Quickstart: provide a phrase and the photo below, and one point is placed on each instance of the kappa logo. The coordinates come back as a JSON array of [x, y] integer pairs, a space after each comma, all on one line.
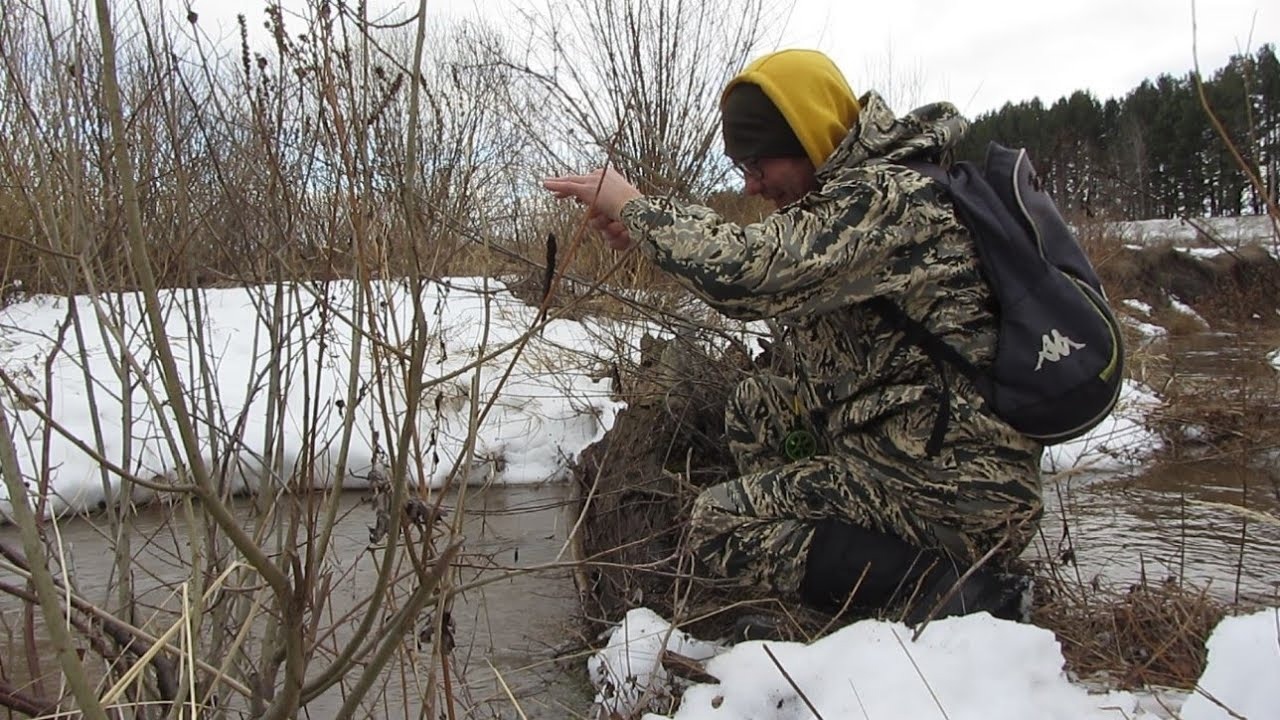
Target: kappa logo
[[1055, 348]]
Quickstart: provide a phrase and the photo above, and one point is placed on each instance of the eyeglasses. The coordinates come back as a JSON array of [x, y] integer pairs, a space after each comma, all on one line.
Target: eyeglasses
[[749, 168]]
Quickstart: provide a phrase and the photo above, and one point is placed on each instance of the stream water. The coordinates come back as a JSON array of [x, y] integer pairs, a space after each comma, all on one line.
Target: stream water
[[1176, 522], [1171, 520], [512, 628], [1181, 518]]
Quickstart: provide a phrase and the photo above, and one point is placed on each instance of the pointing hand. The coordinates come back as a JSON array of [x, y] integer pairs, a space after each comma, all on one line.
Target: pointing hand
[[605, 191]]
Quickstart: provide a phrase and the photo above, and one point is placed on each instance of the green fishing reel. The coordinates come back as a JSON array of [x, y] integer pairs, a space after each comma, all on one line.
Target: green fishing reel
[[800, 445]]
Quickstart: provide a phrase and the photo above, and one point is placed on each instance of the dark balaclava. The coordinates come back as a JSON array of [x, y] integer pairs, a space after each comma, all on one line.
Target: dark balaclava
[[787, 100], [753, 126]]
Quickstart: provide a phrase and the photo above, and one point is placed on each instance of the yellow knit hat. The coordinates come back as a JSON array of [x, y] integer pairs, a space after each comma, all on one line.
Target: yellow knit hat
[[811, 93]]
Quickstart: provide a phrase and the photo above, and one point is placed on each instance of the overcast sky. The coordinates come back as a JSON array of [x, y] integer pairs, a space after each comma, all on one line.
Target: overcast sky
[[980, 53]]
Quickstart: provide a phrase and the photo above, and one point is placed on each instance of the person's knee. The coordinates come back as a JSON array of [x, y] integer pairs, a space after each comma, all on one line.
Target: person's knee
[[729, 538], [713, 512], [716, 516]]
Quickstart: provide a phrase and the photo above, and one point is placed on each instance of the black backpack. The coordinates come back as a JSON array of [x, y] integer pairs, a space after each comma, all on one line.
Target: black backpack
[[1059, 359]]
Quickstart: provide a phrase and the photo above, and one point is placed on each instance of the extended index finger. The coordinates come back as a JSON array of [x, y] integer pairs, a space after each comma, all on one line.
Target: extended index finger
[[578, 186]]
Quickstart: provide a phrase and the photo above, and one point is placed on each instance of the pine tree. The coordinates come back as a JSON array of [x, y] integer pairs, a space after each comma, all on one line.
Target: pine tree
[[1154, 152]]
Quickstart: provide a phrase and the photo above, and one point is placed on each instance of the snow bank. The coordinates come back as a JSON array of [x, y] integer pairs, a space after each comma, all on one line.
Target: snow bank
[[628, 673], [548, 410], [969, 667], [1243, 675]]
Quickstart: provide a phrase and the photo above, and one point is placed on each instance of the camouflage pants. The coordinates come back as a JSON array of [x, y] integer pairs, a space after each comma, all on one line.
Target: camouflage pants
[[757, 529]]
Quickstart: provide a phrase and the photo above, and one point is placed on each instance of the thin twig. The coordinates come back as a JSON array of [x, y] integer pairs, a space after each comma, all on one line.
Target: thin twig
[[920, 673], [955, 587], [515, 703], [792, 682], [46, 588]]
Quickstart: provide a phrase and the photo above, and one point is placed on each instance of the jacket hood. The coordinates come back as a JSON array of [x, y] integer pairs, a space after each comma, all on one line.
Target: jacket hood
[[927, 133], [810, 92]]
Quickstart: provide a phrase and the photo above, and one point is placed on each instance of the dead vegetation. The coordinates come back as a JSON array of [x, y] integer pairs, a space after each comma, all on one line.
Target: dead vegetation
[[638, 484], [1150, 634]]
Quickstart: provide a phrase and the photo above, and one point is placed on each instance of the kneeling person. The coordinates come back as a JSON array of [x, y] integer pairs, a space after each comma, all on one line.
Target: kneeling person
[[851, 493]]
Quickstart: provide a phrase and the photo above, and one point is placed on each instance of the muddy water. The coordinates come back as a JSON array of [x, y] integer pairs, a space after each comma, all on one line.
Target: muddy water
[[1179, 518], [513, 626], [1175, 521]]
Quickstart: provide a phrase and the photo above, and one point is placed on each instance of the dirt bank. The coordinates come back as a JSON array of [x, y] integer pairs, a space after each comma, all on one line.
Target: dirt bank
[[1240, 287]]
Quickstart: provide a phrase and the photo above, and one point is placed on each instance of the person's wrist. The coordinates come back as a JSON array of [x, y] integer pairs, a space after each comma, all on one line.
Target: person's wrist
[[625, 202]]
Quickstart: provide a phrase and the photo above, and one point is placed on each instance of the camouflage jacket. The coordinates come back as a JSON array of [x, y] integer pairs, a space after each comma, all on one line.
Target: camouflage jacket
[[872, 229]]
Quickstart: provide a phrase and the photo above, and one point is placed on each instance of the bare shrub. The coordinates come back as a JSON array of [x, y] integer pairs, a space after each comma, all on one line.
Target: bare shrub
[[638, 84], [139, 157]]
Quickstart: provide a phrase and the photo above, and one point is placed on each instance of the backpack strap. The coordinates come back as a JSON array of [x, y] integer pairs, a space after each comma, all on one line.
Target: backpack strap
[[917, 334], [938, 350]]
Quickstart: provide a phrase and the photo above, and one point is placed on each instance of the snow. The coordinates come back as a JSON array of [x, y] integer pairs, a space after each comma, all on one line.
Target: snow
[[628, 673], [1148, 331], [1231, 231], [1182, 308], [966, 667], [1120, 440], [1139, 314], [1244, 666], [547, 412], [1138, 306]]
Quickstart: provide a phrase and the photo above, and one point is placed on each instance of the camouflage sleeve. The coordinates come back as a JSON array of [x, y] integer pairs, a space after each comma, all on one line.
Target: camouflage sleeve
[[827, 251]]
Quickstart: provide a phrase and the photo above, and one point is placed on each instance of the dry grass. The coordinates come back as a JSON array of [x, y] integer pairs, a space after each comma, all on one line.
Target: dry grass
[[1149, 635]]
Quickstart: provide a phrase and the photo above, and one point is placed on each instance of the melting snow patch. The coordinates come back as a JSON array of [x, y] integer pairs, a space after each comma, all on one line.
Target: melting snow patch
[[1138, 306], [1117, 443], [1187, 310], [969, 667], [628, 674], [1242, 673]]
